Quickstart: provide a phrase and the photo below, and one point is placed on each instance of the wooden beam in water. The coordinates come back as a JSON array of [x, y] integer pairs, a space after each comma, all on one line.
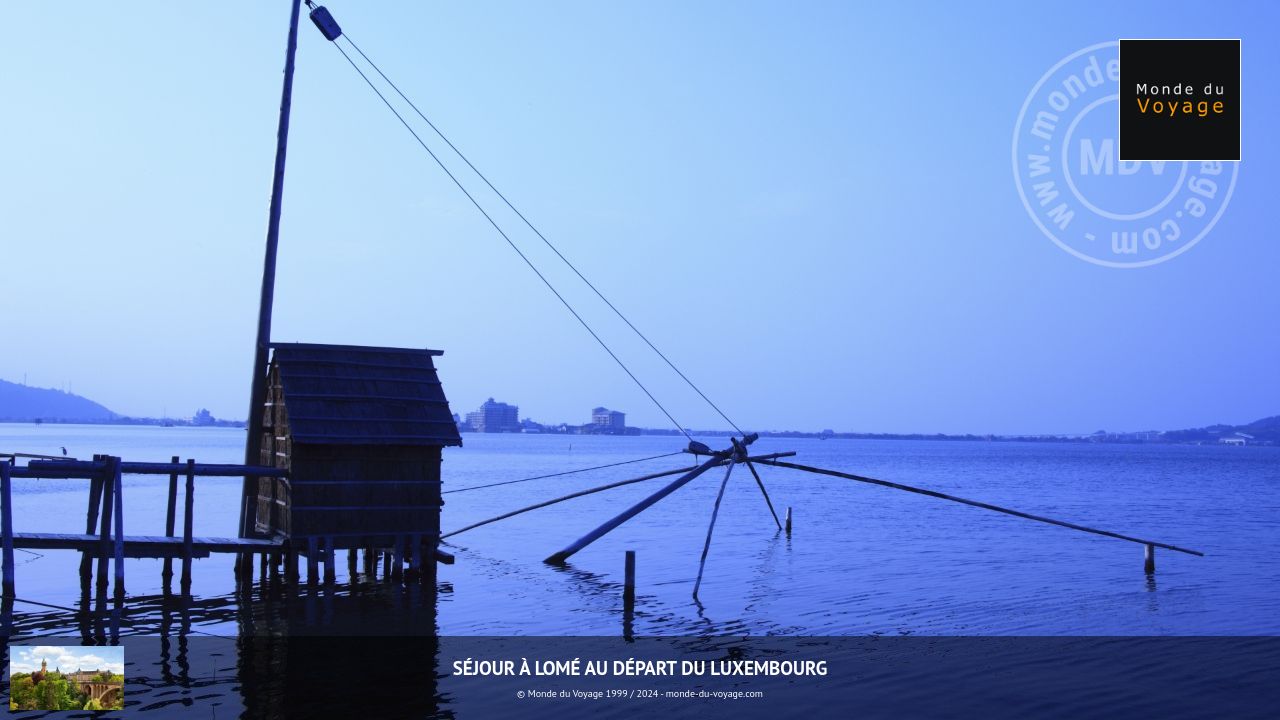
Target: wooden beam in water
[[715, 511], [188, 525], [585, 540], [6, 529], [104, 538], [170, 519], [116, 480], [91, 519], [975, 503], [760, 484]]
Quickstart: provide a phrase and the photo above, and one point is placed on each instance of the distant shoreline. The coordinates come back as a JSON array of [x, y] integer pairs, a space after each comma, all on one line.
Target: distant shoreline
[[1213, 435]]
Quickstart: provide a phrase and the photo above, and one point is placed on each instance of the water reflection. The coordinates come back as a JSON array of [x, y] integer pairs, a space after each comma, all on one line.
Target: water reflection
[[299, 650]]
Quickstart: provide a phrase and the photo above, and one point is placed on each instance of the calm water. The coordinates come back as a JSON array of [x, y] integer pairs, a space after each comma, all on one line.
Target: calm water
[[861, 560]]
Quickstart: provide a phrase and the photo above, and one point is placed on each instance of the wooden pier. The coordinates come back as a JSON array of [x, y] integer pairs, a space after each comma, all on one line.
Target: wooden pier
[[104, 538]]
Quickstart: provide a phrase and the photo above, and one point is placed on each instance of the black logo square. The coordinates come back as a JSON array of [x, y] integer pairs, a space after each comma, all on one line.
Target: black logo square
[[1179, 99]]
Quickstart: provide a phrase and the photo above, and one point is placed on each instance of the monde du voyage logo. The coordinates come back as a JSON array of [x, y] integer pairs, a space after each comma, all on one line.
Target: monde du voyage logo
[[1128, 164]]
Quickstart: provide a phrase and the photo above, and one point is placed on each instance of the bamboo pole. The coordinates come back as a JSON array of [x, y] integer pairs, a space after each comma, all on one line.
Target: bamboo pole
[[634, 510], [590, 491], [570, 496], [975, 503], [715, 511], [764, 492]]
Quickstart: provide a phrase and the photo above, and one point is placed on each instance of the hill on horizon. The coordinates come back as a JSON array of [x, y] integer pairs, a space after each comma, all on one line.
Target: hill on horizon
[[22, 403]]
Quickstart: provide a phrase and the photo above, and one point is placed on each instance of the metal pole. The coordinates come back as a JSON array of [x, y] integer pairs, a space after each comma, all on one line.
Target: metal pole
[[262, 345], [634, 510]]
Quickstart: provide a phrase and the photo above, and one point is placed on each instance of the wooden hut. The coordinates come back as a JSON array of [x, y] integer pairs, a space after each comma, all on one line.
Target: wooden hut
[[360, 430]]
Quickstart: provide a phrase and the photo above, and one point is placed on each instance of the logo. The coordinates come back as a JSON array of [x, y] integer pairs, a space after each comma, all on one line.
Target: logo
[[1082, 196]]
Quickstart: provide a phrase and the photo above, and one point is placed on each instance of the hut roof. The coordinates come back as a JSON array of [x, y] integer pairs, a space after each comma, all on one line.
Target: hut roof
[[356, 395]]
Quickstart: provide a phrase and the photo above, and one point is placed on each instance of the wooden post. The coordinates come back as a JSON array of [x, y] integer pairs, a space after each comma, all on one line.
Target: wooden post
[[170, 519], [91, 520], [6, 528], [291, 565], [118, 483], [397, 559], [629, 583], [329, 561], [104, 526], [563, 555], [1149, 560], [369, 561], [313, 574], [415, 556], [788, 521], [386, 565], [261, 348], [715, 511], [188, 522], [262, 567], [351, 564]]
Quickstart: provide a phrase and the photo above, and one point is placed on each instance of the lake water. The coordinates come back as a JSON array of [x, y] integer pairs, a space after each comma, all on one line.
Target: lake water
[[861, 561]]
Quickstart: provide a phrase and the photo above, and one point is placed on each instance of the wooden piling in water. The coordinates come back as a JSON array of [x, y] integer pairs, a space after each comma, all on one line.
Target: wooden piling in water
[[397, 560], [369, 561], [386, 565], [188, 523], [91, 520], [313, 574], [415, 557], [6, 529], [351, 564], [788, 521], [629, 583], [1149, 559], [104, 530], [330, 561], [170, 519], [117, 483]]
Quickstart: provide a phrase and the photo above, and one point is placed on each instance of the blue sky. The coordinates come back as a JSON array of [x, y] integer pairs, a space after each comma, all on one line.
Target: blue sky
[[808, 206], [67, 658]]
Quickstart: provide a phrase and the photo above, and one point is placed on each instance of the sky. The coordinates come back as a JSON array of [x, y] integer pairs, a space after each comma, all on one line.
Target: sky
[[26, 659], [809, 207]]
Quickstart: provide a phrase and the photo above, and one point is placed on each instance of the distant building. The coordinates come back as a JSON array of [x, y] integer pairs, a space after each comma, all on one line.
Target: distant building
[[607, 422], [495, 417]]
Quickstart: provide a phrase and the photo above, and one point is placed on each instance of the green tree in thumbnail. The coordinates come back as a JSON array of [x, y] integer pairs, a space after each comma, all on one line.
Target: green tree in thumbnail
[[22, 694]]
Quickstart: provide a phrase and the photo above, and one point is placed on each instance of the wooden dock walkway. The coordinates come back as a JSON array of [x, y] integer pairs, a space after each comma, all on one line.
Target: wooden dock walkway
[[104, 538], [145, 546]]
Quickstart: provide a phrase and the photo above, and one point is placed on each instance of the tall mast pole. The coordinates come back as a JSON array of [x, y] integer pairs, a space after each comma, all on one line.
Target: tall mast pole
[[261, 348]]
